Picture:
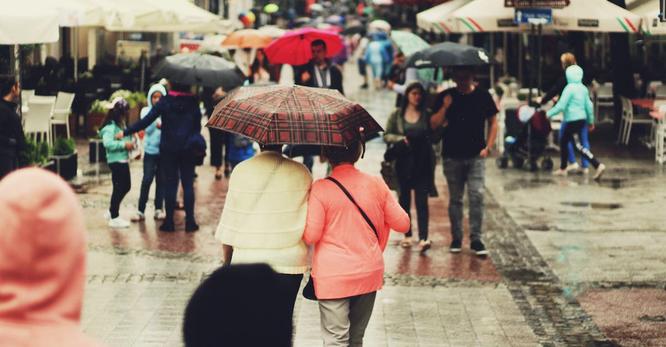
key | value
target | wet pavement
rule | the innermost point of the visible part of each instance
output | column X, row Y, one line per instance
column 572, row 263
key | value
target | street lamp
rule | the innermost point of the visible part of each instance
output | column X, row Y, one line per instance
column 662, row 10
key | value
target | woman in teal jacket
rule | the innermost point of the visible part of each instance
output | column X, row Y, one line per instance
column 118, row 159
column 578, row 112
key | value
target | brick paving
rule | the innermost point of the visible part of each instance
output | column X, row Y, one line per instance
column 556, row 267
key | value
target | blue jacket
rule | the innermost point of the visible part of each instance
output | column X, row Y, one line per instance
column 575, row 101
column 236, row 153
column 115, row 149
column 181, row 118
column 151, row 142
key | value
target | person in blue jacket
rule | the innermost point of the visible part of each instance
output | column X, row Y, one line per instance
column 181, row 121
column 240, row 149
column 578, row 112
column 151, row 159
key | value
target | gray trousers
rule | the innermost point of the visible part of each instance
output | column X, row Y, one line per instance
column 343, row 321
column 461, row 172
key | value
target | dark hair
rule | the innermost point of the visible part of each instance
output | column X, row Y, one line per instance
column 117, row 114
column 7, row 82
column 239, row 305
column 318, row 42
column 255, row 64
column 337, row 154
column 271, row 147
column 181, row 87
column 405, row 99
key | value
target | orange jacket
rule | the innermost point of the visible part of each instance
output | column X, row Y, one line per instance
column 347, row 259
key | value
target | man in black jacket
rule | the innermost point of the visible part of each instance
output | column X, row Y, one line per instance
column 318, row 73
column 12, row 140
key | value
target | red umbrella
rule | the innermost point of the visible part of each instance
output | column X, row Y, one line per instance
column 294, row 47
column 297, row 115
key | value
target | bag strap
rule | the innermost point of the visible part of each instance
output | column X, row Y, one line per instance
column 365, row 216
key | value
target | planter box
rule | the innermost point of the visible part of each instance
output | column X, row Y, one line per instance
column 96, row 150
column 93, row 123
column 66, row 165
column 50, row 166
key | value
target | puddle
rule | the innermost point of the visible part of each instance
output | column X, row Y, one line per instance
column 527, row 183
column 631, row 171
column 614, row 183
column 593, row 205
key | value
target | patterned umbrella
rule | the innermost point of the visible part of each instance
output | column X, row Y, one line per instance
column 293, row 115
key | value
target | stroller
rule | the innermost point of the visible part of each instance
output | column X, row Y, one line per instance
column 527, row 131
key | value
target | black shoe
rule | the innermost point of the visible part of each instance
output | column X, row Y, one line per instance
column 479, row 248
column 167, row 227
column 191, row 227
column 364, row 86
column 456, row 246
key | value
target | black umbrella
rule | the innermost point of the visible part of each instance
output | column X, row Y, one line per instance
column 449, row 54
column 200, row 69
column 354, row 29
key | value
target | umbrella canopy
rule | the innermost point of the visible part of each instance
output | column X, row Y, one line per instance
column 294, row 47
column 449, row 54
column 650, row 24
column 272, row 31
column 293, row 115
column 21, row 23
column 379, row 25
column 437, row 19
column 588, row 15
column 200, row 69
column 382, row 2
column 408, row 42
column 247, row 38
column 271, row 8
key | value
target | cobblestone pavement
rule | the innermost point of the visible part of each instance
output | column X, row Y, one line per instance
column 561, row 263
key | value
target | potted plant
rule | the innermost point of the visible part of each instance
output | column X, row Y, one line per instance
column 135, row 100
column 37, row 154
column 66, row 158
column 95, row 117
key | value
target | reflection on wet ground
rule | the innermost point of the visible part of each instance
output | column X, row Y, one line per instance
column 593, row 205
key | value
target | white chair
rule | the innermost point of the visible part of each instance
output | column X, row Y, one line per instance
column 62, row 109
column 38, row 121
column 660, row 133
column 629, row 119
column 44, row 99
column 660, row 92
column 603, row 97
column 26, row 94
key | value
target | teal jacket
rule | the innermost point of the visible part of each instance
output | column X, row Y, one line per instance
column 115, row 149
column 151, row 142
column 575, row 101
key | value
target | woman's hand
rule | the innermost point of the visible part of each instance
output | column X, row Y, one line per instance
column 484, row 153
column 591, row 128
column 120, row 135
column 129, row 146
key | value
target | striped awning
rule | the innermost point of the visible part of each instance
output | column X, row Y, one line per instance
column 437, row 19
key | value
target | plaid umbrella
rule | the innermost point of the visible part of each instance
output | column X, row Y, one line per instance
column 293, row 115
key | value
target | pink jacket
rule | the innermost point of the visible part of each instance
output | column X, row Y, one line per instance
column 42, row 261
column 347, row 258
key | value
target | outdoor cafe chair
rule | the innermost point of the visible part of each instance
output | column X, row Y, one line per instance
column 629, row 119
column 62, row 110
column 660, row 132
column 26, row 94
column 603, row 97
column 44, row 99
column 38, row 121
column 660, row 92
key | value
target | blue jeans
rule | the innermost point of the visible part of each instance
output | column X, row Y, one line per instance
column 458, row 173
column 584, row 141
column 151, row 171
column 175, row 167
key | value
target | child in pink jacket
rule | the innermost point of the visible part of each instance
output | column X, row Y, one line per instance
column 348, row 265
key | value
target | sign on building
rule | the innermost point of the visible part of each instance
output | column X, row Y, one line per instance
column 538, row 3
column 533, row 16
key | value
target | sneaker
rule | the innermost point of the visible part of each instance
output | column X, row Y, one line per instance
column 118, row 223
column 560, row 172
column 586, row 171
column 456, row 246
column 479, row 248
column 424, row 245
column 107, row 215
column 364, row 86
column 572, row 167
column 138, row 217
column 406, row 242
column 600, row 172
column 160, row 215
column 191, row 227
column 167, row 227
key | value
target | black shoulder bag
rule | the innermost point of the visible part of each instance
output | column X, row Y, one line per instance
column 308, row 290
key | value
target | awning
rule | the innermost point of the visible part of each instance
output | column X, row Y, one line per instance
column 21, row 23
column 437, row 19
column 588, row 15
column 648, row 11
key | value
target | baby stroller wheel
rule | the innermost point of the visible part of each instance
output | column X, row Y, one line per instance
column 518, row 162
column 547, row 164
column 502, row 162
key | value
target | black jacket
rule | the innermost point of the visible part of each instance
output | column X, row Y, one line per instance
column 12, row 140
column 336, row 76
column 556, row 90
column 181, row 118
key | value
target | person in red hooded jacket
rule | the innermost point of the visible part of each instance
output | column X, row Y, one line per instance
column 42, row 261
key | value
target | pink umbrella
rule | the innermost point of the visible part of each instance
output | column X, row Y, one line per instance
column 294, row 47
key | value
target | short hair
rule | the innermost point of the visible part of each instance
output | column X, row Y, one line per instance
column 7, row 82
column 337, row 154
column 239, row 305
column 567, row 59
column 318, row 42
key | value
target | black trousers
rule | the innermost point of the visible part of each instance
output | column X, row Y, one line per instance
column 421, row 190
column 7, row 165
column 178, row 167
column 122, row 183
column 217, row 141
column 574, row 128
column 290, row 285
